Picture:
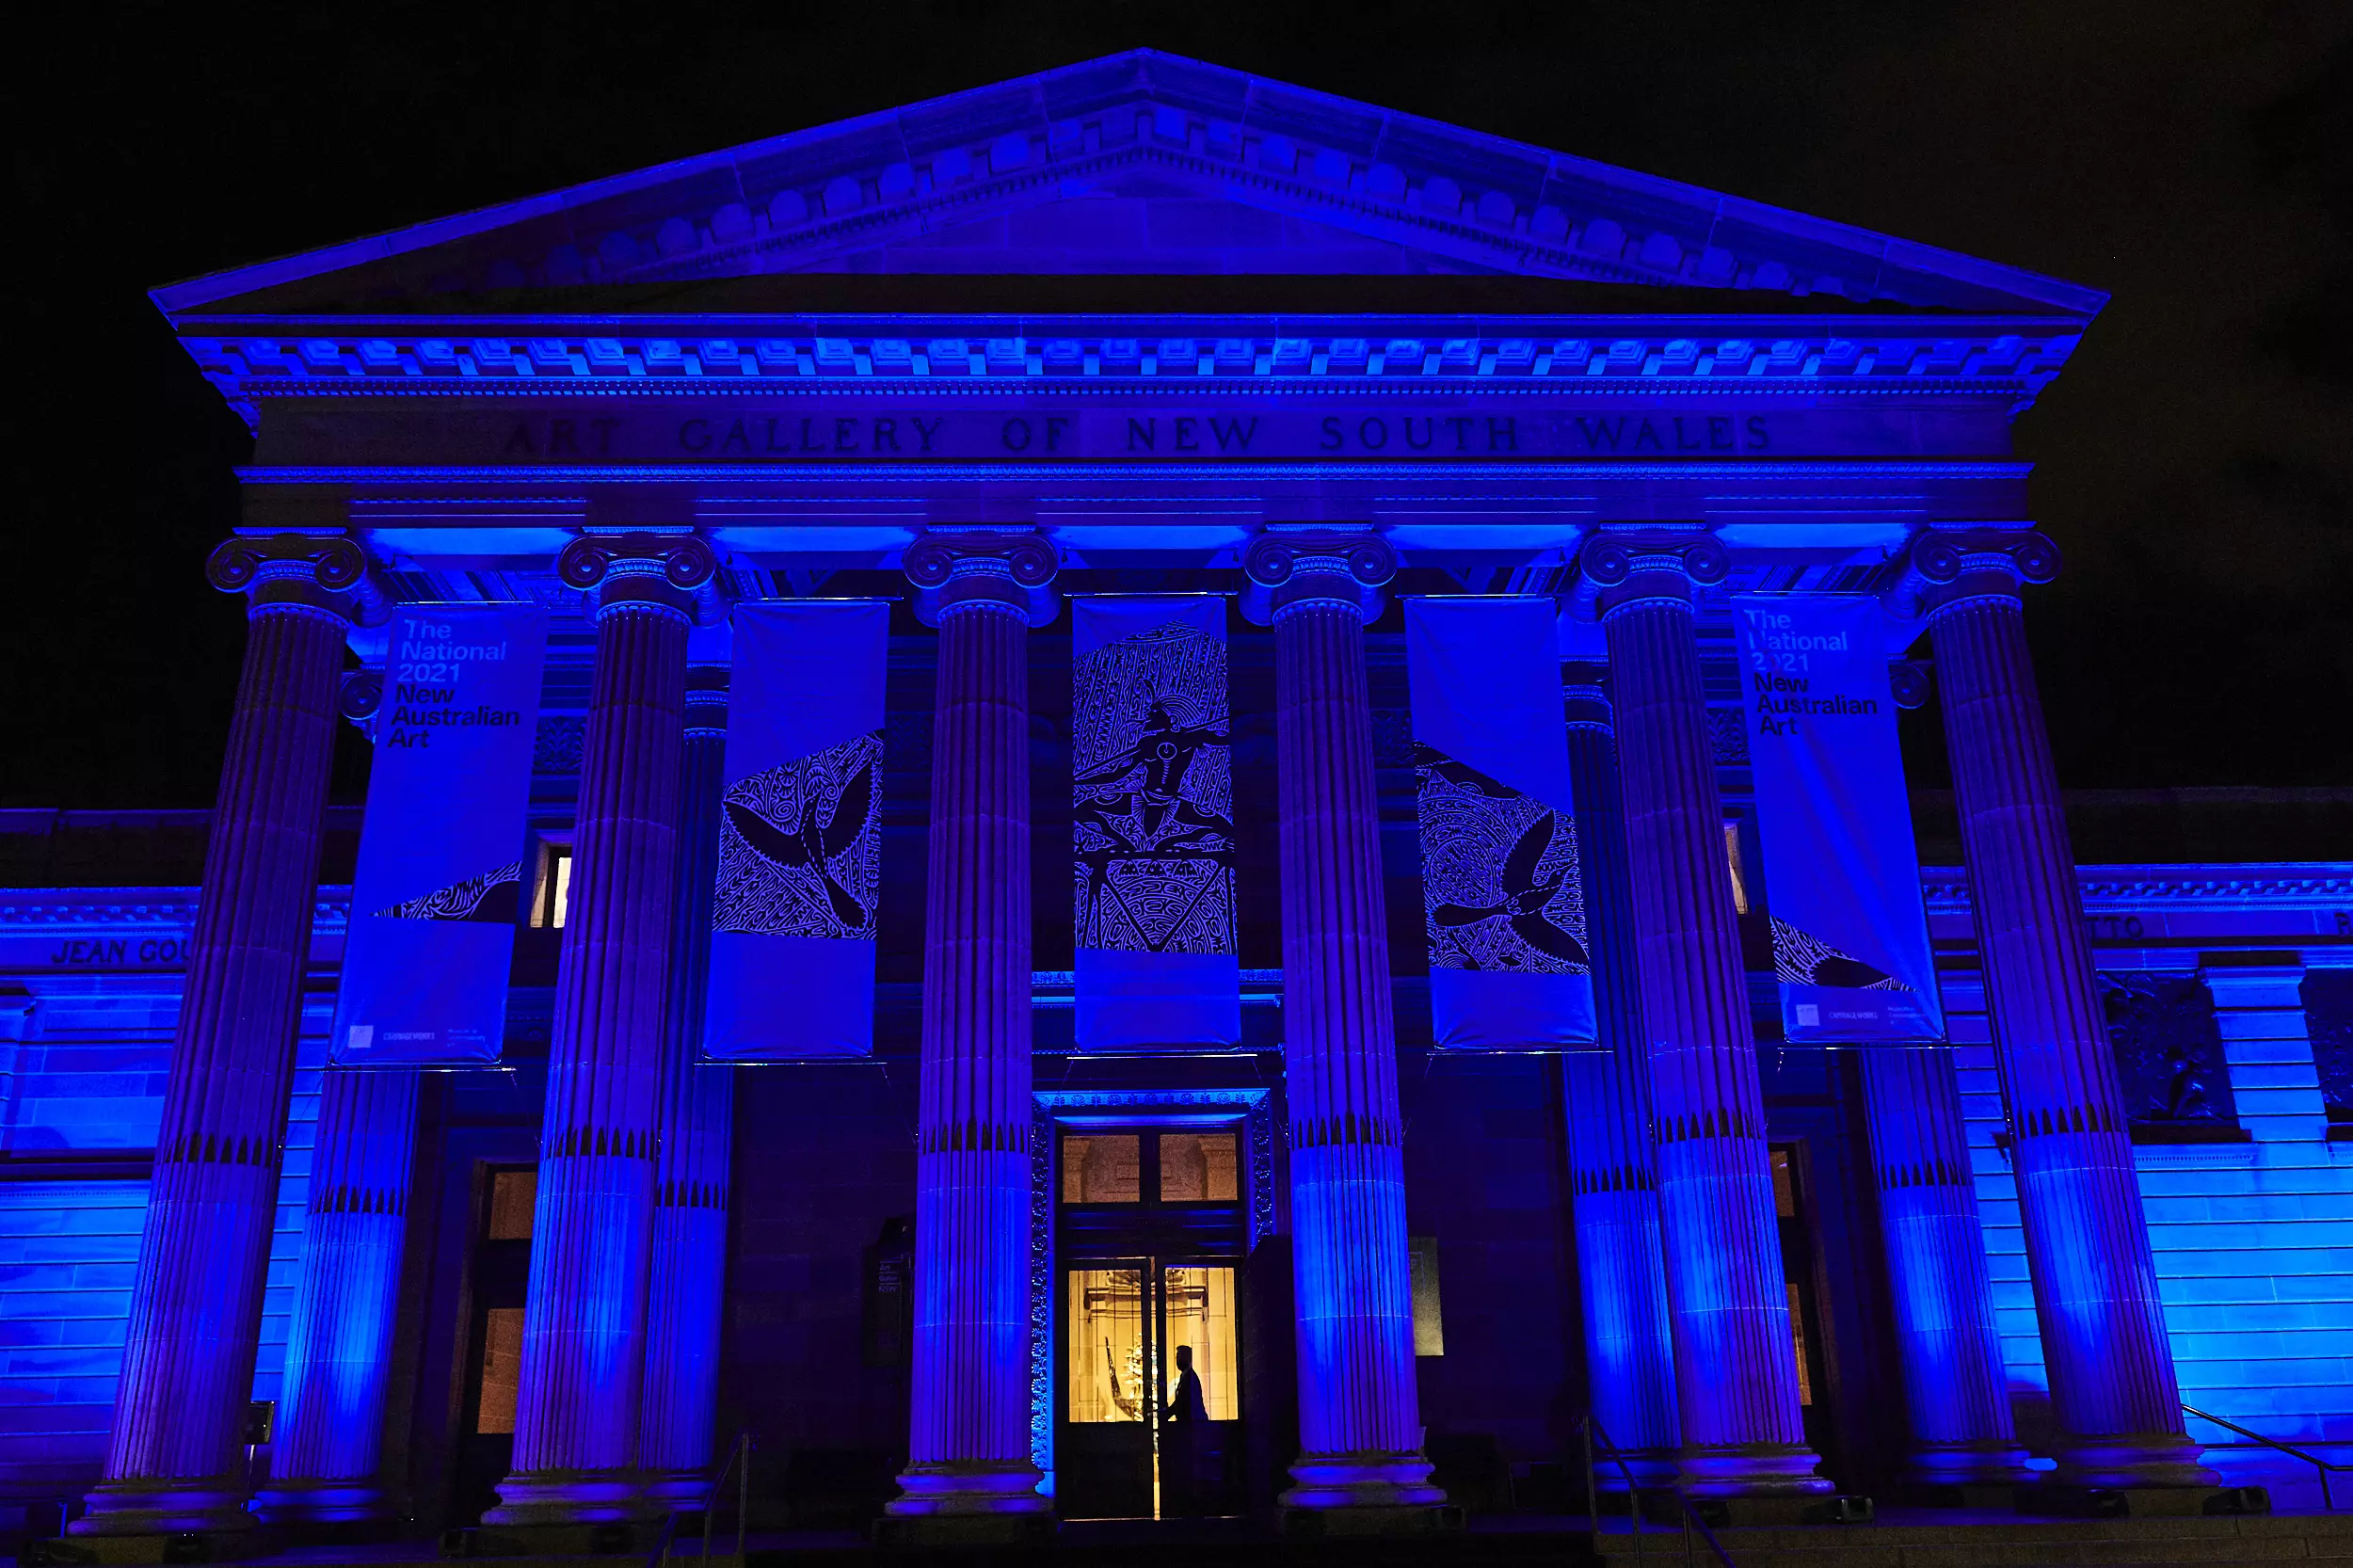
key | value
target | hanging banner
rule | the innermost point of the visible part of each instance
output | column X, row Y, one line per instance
column 800, row 833
column 438, row 890
column 1842, row 876
column 1152, row 824
column 1502, row 904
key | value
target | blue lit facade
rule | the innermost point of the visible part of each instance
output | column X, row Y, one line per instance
column 1155, row 313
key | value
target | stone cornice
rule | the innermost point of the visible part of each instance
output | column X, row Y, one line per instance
column 2314, row 884
column 554, row 356
column 160, row 908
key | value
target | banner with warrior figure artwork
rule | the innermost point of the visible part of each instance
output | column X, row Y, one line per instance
column 1842, row 874
column 792, row 915
column 438, row 889
column 1152, row 824
column 1504, row 905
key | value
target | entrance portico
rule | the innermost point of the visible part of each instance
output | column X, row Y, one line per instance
column 837, row 384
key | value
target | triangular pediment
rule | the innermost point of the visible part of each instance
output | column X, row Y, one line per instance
column 1136, row 164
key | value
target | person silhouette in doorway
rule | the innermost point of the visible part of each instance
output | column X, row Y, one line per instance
column 1186, row 1445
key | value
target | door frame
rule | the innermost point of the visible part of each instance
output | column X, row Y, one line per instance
column 1252, row 1107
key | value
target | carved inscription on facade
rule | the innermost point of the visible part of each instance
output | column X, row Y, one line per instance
column 888, row 427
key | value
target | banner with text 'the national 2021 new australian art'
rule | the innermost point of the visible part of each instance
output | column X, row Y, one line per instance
column 793, row 910
column 1842, row 873
column 1152, row 824
column 438, row 889
column 1503, row 902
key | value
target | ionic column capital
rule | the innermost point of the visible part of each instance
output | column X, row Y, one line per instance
column 1288, row 569
column 963, row 568
column 1619, row 568
column 1910, row 683
column 360, row 696
column 661, row 570
column 1952, row 567
column 321, row 574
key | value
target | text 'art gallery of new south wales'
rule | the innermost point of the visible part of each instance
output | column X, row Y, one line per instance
column 1143, row 795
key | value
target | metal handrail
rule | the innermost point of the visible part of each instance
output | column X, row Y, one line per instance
column 739, row 1448
column 2327, row 1502
column 1693, row 1513
column 1593, row 1428
column 660, row 1556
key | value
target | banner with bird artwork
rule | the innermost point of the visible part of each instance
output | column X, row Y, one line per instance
column 1842, row 873
column 792, row 914
column 438, row 888
column 1152, row 824
column 1502, row 902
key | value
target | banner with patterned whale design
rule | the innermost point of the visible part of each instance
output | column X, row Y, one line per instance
column 1152, row 824
column 1842, row 873
column 794, row 911
column 1503, row 904
column 438, row 889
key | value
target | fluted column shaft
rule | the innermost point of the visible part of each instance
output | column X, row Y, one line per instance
column 1735, row 1371
column 695, row 1141
column 1629, row 1352
column 2095, row 1283
column 175, row 1460
column 969, row 1445
column 1955, row 1392
column 329, row 1449
column 583, row 1351
column 1359, row 1421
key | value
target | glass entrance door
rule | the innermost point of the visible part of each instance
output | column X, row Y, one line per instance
column 1148, row 1416
column 1152, row 1389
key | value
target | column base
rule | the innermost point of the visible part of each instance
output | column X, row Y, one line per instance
column 161, row 1508
column 567, row 1498
column 325, row 1502
column 1650, row 1467
column 1346, row 1482
column 969, row 1490
column 680, row 1490
column 1965, row 1464
column 1755, row 1470
column 2158, row 1459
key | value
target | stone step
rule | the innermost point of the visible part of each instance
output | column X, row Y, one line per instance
column 2015, row 1544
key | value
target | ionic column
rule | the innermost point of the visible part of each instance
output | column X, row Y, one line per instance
column 584, row 1352
column 1955, row 1392
column 176, row 1459
column 696, row 1139
column 968, row 1471
column 1359, row 1426
column 2095, row 1286
column 327, row 1456
column 1629, row 1352
column 1736, row 1370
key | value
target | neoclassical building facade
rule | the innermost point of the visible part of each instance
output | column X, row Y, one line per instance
column 844, row 485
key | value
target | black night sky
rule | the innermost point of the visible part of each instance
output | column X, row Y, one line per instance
column 2195, row 160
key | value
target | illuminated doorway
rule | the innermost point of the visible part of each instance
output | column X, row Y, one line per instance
column 1150, row 1240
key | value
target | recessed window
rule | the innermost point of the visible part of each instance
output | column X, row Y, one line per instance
column 553, row 899
column 1429, row 1321
column 1785, row 1186
column 1104, row 1167
column 1740, row 871
column 502, row 1369
column 512, row 1195
column 1198, row 1167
